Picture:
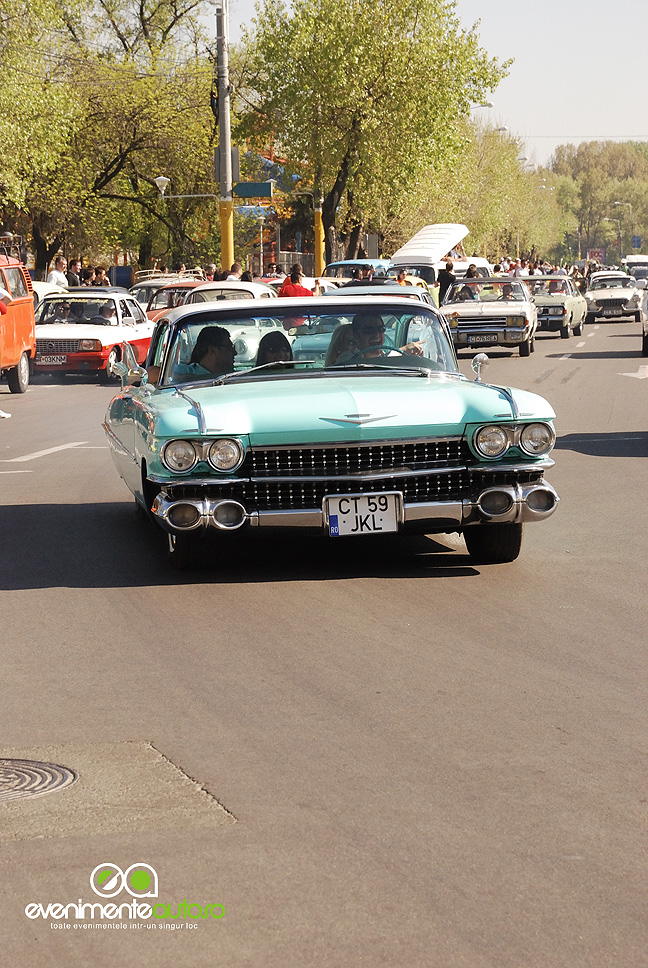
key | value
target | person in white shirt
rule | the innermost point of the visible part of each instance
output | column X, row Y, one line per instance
column 57, row 276
column 235, row 272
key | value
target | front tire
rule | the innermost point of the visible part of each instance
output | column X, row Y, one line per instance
column 493, row 544
column 565, row 331
column 525, row 348
column 107, row 375
column 18, row 376
column 187, row 552
column 578, row 330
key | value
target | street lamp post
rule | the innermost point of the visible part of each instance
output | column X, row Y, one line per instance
column 618, row 222
column 628, row 205
column 224, row 136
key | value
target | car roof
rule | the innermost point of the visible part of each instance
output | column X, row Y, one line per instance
column 298, row 306
column 235, row 284
column 381, row 290
column 97, row 290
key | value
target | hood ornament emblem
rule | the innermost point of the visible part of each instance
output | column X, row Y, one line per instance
column 358, row 418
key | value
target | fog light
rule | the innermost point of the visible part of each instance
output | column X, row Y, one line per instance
column 496, row 502
column 540, row 500
column 229, row 515
column 183, row 515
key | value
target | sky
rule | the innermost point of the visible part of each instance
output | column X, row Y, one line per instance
column 580, row 71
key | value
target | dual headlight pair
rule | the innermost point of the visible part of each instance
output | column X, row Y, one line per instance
column 224, row 455
column 534, row 439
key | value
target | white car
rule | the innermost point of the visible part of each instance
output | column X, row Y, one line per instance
column 498, row 311
column 614, row 294
column 84, row 331
column 228, row 289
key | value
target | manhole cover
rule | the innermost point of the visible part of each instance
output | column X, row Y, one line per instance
column 29, row 778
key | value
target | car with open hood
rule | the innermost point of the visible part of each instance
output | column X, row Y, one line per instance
column 496, row 311
column 386, row 440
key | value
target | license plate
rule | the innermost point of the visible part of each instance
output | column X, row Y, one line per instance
column 483, row 338
column 361, row 513
column 55, row 360
column 612, row 312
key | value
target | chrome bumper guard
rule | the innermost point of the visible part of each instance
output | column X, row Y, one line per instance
column 498, row 504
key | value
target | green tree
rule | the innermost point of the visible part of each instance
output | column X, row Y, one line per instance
column 363, row 97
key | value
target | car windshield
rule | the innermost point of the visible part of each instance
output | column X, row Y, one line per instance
column 613, row 282
column 167, row 298
column 344, row 337
column 553, row 286
column 217, row 294
column 63, row 309
column 476, row 290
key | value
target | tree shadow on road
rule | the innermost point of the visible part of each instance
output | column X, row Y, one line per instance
column 106, row 546
column 606, row 445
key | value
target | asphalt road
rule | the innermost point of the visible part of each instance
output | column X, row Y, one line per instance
column 428, row 763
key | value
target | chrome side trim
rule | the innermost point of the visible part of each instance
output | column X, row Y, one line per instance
column 116, row 443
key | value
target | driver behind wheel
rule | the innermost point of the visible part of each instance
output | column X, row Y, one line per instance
column 369, row 334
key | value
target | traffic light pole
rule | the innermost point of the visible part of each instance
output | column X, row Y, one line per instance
column 225, row 138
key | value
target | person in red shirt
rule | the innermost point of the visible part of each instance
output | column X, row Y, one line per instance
column 292, row 285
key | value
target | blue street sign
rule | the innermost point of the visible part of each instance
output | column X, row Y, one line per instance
column 636, row 241
column 254, row 189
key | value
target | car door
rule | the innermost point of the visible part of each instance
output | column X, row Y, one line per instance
column 138, row 327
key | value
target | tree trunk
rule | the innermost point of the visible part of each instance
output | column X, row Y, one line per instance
column 43, row 250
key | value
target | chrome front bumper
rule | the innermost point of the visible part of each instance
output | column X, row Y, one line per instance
column 495, row 504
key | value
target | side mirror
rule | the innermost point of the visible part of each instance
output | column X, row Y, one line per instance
column 128, row 320
column 478, row 362
column 641, row 283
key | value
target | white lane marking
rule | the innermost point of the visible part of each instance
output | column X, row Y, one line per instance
column 43, row 453
column 641, row 374
column 578, row 345
column 3, row 413
column 93, row 447
column 567, row 356
column 16, row 472
column 596, row 325
column 589, row 335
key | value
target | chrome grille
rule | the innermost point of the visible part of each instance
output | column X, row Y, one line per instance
column 45, row 347
column 612, row 303
column 341, row 460
column 481, row 322
column 296, row 495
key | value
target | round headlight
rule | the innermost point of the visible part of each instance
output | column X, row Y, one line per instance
column 240, row 347
column 537, row 439
column 491, row 441
column 226, row 454
column 179, row 456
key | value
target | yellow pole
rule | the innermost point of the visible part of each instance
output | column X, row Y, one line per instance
column 320, row 251
column 227, row 232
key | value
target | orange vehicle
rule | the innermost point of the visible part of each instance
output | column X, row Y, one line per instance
column 17, row 324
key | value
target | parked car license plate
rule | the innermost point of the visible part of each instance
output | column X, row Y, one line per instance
column 612, row 312
column 57, row 360
column 482, row 338
column 362, row 513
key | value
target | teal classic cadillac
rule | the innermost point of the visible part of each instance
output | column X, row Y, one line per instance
column 385, row 436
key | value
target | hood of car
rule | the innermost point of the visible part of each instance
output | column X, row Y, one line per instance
column 105, row 334
column 341, row 408
column 620, row 292
column 499, row 307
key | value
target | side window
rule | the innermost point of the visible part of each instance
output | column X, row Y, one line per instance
column 133, row 309
column 123, row 308
column 16, row 282
column 161, row 340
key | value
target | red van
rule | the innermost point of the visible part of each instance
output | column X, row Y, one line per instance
column 17, row 325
